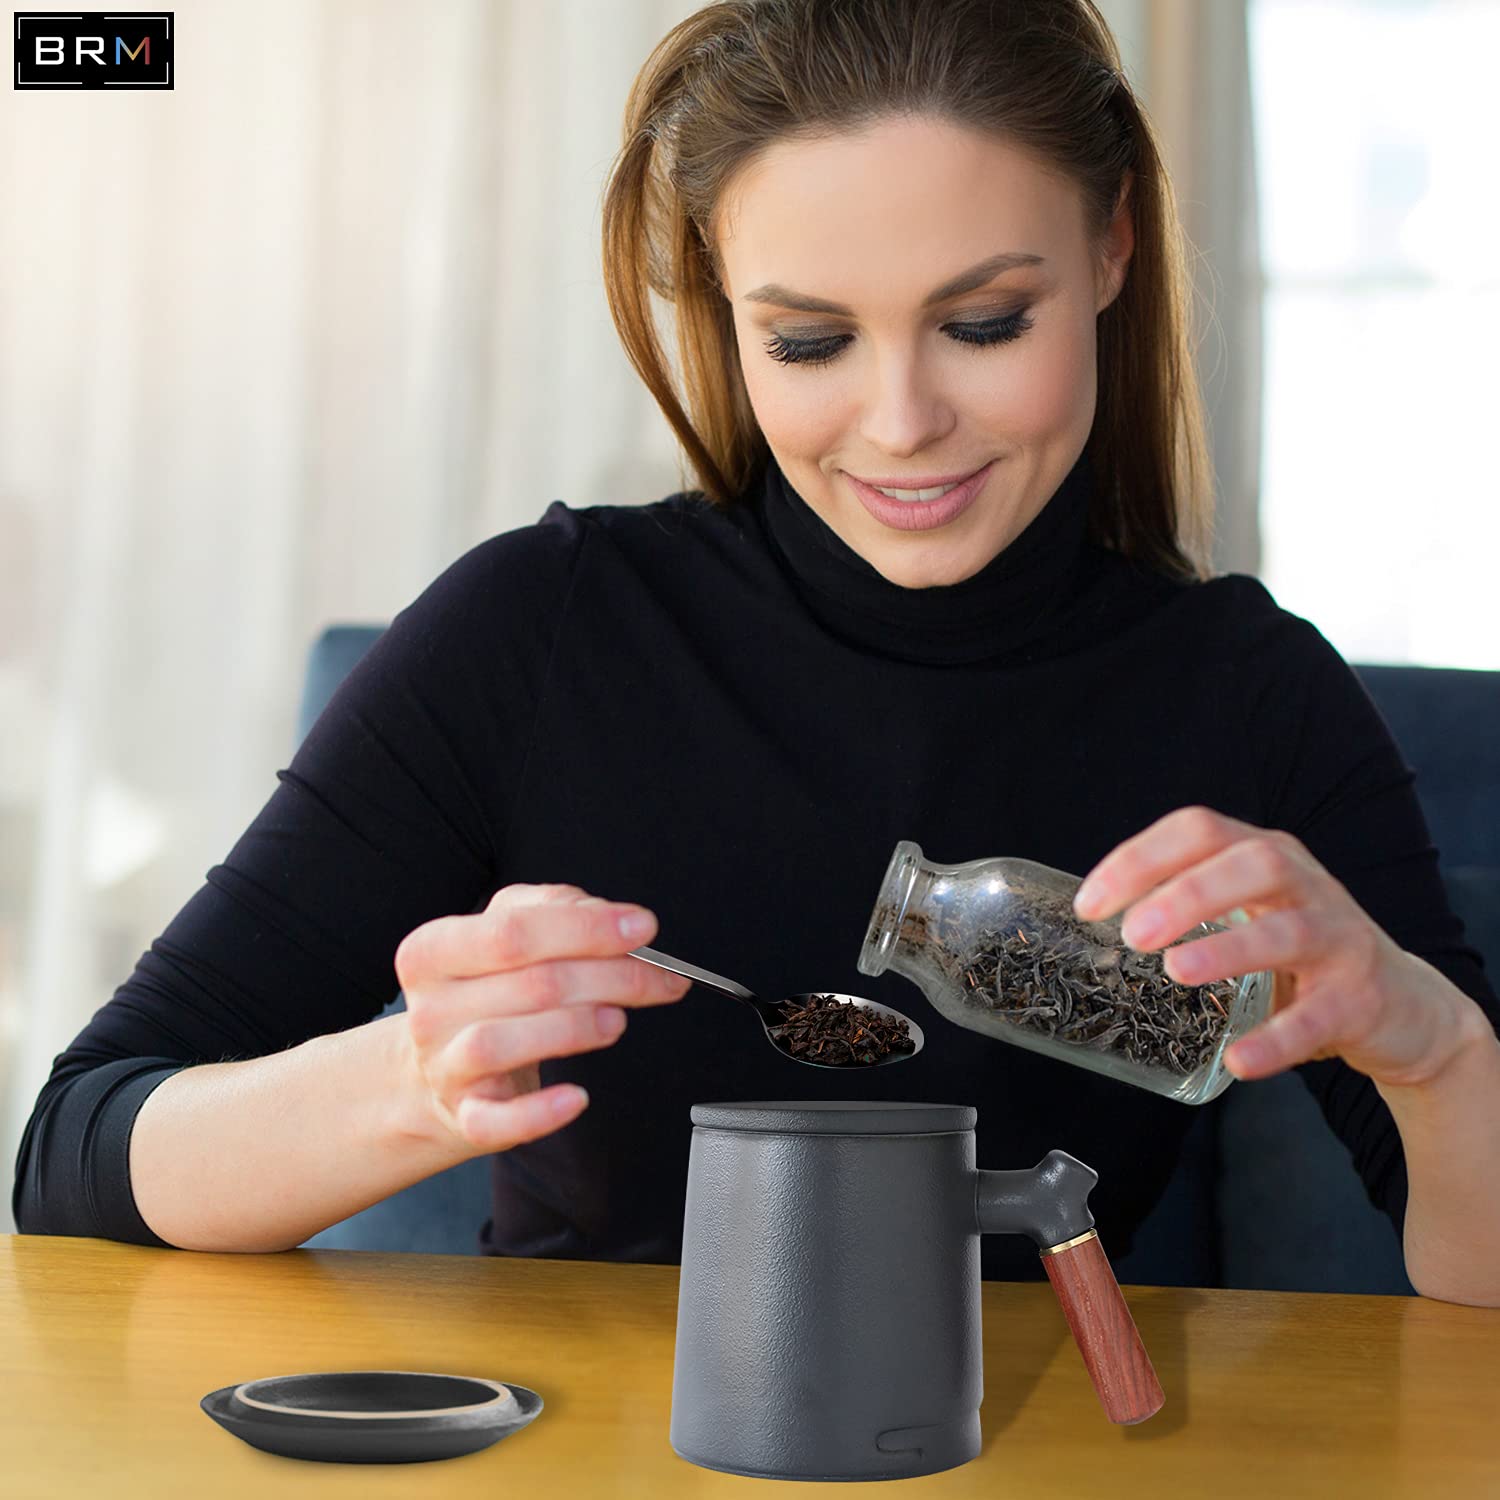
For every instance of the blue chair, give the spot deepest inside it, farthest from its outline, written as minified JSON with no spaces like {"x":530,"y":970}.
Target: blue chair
{"x":441,"y":1214}
{"x":1286,"y":1209}
{"x":1264,"y":1195}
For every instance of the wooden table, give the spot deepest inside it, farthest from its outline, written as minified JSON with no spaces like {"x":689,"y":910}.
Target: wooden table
{"x":106,"y":1349}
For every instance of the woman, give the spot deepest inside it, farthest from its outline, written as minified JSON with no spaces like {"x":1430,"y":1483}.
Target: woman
{"x":908,"y":244}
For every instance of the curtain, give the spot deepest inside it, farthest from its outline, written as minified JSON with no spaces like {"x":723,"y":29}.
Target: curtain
{"x":279,"y":344}
{"x":1190,"y":62}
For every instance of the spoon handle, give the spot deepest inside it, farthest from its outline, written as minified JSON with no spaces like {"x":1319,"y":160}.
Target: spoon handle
{"x":692,"y":971}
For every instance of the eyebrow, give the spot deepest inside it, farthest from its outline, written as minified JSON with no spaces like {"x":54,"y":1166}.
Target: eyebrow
{"x":966,"y":281}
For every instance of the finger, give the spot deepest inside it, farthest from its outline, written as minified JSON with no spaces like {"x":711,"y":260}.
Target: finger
{"x":499,"y":1124}
{"x":1264,"y":868}
{"x":560,"y":983}
{"x":1142,"y":862}
{"x":523,"y":893}
{"x":1306,"y":1030}
{"x":504,"y":937}
{"x":492,"y":1047}
{"x":1280,"y":939}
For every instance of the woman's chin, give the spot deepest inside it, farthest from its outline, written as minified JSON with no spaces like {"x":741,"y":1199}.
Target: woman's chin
{"x":925,"y":564}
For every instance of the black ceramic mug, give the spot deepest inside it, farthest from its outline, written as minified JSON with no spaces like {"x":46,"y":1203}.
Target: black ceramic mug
{"x":828,"y":1322}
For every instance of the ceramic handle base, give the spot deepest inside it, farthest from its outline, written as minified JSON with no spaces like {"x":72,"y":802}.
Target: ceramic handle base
{"x":1103,"y":1329}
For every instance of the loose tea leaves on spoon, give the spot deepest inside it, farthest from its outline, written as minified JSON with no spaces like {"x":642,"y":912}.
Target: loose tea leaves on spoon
{"x":839,"y":1033}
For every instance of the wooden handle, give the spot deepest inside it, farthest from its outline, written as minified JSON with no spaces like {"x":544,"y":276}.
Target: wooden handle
{"x":1103,"y":1329}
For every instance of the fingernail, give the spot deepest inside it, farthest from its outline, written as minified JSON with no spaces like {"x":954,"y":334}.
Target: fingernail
{"x":568,"y":1099}
{"x":1247,"y":1055}
{"x":1183,"y":963}
{"x":611,"y":1020}
{"x":1143,"y":926}
{"x":1089,"y":899}
{"x":637,"y":925}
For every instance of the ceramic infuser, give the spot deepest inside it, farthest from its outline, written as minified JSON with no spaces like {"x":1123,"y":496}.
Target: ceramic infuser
{"x":828,"y":1317}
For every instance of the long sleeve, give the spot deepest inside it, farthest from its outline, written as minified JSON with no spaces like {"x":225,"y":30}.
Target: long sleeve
{"x":390,"y":813}
{"x":1331,"y":774}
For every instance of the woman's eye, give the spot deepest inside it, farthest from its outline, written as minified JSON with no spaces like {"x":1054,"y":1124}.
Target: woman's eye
{"x":992,"y":330}
{"x":976,"y":334}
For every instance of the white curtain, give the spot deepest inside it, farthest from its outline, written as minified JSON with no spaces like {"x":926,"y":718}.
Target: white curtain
{"x":277,"y":346}
{"x":1190,"y":62}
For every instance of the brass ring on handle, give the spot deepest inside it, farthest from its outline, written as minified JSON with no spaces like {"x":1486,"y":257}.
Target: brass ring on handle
{"x":1078,"y":1239}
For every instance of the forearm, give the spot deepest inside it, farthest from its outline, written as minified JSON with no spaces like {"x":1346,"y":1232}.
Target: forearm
{"x":1450,"y":1131}
{"x":258,"y":1155}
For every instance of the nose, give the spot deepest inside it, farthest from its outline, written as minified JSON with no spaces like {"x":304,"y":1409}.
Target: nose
{"x":907,"y":411}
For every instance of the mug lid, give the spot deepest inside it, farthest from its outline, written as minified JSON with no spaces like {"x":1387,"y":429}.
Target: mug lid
{"x":836,"y":1116}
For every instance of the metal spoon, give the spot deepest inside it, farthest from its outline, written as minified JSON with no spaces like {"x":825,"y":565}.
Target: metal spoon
{"x":769,"y":1011}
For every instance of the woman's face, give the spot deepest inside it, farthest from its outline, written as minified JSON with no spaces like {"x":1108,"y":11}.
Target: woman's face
{"x":838,"y":257}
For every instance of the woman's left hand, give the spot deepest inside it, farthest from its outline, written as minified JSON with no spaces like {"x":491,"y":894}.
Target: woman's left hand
{"x":1343,"y":988}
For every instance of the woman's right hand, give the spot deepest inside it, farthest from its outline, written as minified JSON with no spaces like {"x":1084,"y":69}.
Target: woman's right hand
{"x":542,"y":971}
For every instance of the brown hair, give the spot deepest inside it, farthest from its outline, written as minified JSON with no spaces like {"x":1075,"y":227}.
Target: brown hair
{"x":1045,"y":75}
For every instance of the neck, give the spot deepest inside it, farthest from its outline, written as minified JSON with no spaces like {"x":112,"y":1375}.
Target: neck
{"x":1003,"y":611}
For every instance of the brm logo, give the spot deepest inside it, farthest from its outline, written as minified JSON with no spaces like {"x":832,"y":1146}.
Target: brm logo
{"x":94,"y":50}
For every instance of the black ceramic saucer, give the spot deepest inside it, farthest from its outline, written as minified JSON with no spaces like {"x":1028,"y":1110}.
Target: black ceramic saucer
{"x":372,"y":1416}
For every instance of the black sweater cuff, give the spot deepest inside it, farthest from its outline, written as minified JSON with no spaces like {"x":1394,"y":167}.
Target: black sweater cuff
{"x":73,"y":1167}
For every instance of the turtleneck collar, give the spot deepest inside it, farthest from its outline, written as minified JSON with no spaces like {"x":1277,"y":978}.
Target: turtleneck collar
{"x":1002,"y":612}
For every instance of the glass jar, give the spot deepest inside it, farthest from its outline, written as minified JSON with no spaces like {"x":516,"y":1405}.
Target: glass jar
{"x":995,"y":947}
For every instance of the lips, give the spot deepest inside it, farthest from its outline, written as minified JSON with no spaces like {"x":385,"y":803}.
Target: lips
{"x":920,"y":515}
{"x":925,"y":482}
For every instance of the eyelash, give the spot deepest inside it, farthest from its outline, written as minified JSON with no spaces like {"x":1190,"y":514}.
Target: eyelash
{"x":822,"y":351}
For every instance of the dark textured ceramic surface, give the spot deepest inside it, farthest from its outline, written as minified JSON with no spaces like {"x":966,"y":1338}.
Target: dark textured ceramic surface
{"x":371,"y":1416}
{"x":828,"y":1312}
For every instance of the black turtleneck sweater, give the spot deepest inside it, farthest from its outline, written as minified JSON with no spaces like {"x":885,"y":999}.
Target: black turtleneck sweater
{"x":731,"y":717}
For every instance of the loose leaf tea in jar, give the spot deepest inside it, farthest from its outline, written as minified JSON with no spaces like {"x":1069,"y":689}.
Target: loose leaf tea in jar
{"x":995,"y":946}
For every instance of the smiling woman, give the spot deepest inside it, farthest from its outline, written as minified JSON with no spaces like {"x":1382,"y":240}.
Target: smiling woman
{"x":950,"y":256}
{"x":970,"y":401}
{"x":725,"y":707}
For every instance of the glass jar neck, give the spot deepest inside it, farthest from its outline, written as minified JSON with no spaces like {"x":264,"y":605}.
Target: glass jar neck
{"x":902,"y":935}
{"x":897,"y":889}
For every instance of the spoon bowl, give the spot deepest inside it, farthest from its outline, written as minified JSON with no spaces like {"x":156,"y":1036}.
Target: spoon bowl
{"x":874,"y":1007}
{"x":770,"y":1014}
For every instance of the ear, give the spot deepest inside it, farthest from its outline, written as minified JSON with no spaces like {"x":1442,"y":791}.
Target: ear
{"x":1119,"y":244}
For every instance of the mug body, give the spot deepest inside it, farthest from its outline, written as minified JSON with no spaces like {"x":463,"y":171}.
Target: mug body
{"x":828,"y":1322}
